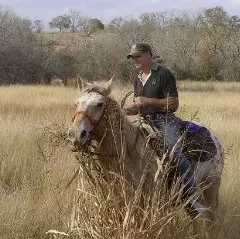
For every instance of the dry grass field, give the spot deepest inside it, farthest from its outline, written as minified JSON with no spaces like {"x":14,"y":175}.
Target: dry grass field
{"x":36,"y":167}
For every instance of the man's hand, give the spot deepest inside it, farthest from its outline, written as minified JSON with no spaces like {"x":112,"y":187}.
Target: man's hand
{"x":141,"y":101}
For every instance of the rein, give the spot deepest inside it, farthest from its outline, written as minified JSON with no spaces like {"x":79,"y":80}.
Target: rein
{"x":123,"y":101}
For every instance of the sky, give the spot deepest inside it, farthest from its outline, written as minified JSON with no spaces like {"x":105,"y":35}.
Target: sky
{"x":106,"y":10}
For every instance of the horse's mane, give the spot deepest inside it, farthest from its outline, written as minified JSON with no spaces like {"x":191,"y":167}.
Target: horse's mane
{"x":95,"y":87}
{"x":130,"y":130}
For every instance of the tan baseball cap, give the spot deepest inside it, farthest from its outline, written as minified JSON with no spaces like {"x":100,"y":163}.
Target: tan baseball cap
{"x":138,"y":49}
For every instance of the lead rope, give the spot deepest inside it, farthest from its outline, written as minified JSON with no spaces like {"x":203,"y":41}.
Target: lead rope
{"x":123,"y":101}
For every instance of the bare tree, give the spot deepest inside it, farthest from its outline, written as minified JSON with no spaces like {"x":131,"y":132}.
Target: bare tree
{"x":20,"y":56}
{"x":38,"y":25}
{"x":61,"y":22}
{"x":116,"y":22}
{"x":77,"y":19}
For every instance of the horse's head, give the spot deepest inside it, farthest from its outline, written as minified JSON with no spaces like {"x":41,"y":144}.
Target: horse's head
{"x":90,"y":107}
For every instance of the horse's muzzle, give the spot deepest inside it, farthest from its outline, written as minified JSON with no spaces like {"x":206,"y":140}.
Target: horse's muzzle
{"x":77,"y":139}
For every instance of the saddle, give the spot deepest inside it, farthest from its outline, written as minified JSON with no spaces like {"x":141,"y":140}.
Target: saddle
{"x":197,"y":143}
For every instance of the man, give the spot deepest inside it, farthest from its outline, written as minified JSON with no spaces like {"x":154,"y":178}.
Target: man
{"x":156,"y":100}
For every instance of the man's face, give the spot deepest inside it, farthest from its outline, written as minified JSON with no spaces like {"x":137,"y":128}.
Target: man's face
{"x":141,"y":60}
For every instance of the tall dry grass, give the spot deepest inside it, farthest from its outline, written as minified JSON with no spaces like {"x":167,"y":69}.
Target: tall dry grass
{"x":36,"y":167}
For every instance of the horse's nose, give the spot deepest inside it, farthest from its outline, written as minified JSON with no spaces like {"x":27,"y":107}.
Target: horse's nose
{"x":71,"y":134}
{"x":77,"y":137}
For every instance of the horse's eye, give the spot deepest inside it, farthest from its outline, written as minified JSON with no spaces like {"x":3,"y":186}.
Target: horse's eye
{"x":100,"y":105}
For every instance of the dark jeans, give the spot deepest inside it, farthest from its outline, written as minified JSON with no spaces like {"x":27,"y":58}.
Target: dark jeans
{"x":169,"y":126}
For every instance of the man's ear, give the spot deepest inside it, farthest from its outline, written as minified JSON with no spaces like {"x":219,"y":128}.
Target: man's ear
{"x":108,"y":86}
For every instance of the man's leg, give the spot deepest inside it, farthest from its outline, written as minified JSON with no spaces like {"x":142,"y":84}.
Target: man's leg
{"x":171,"y":127}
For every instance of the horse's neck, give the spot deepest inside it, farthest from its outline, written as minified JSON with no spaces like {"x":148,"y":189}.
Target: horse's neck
{"x":109,"y":133}
{"x":117,"y":138}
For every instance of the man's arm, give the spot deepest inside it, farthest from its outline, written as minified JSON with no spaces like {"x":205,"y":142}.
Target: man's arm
{"x":170,"y":103}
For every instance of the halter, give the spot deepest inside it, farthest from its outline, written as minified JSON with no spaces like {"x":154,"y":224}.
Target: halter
{"x":85,"y":114}
{"x":92,"y":119}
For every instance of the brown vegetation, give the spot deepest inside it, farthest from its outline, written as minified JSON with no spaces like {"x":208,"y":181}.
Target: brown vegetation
{"x":37,"y":166}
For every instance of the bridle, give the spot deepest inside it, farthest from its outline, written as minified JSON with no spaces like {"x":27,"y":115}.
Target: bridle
{"x":95,"y":123}
{"x":92,"y":119}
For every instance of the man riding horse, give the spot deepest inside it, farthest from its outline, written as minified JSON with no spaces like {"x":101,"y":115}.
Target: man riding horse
{"x":156,"y":100}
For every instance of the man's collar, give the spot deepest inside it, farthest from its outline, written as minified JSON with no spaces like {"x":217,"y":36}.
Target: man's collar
{"x":154,"y":65}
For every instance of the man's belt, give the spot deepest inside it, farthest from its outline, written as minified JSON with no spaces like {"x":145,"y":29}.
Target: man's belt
{"x":149,"y":117}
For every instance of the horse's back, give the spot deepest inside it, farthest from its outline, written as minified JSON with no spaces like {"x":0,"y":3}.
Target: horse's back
{"x":211,"y":169}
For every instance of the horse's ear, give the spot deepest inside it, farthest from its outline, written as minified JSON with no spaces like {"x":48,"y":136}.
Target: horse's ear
{"x":81,"y":84}
{"x":108,"y":86}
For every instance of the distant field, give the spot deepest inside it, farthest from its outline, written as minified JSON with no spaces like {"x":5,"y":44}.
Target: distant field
{"x":36,"y":167}
{"x":72,"y":39}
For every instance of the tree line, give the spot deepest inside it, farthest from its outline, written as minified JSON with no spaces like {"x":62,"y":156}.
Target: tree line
{"x":203,"y":45}
{"x":72,"y":21}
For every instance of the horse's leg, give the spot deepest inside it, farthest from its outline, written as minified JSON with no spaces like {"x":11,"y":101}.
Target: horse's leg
{"x":211,"y":200}
{"x":205,"y":223}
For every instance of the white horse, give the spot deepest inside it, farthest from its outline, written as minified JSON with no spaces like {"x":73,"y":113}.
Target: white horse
{"x":98,"y":118}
